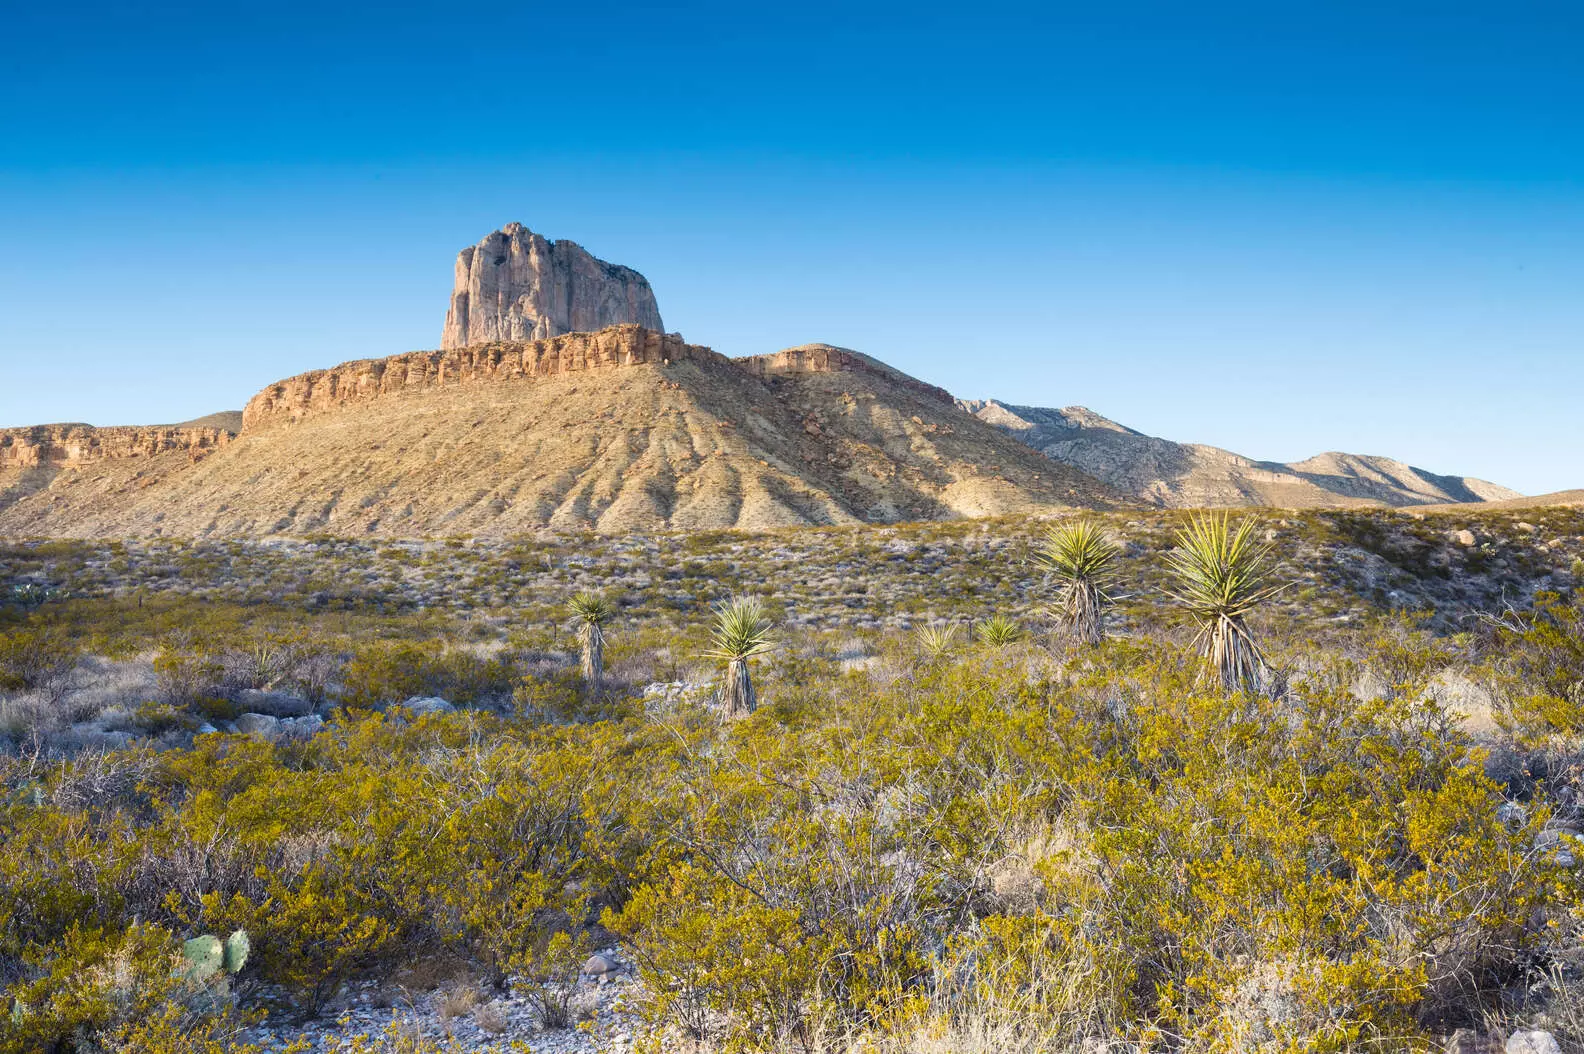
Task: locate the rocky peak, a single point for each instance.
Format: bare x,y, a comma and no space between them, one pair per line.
516,285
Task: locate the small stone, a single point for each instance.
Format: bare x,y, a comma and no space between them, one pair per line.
1533,1042
1464,537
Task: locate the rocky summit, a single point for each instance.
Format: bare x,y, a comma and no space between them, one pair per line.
516,285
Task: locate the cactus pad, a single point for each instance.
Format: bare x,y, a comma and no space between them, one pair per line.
237,947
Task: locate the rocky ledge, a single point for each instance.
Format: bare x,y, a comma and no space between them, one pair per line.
69,445
360,381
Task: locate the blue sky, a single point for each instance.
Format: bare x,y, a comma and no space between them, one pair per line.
1279,228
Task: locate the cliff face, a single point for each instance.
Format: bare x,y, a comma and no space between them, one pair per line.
354,382
516,285
75,445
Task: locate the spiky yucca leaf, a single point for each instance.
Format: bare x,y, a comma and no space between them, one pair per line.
591,607
1084,558
741,630
1000,630
935,641
1079,551
1221,574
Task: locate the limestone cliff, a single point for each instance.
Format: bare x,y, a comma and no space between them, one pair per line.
366,379
75,445
516,285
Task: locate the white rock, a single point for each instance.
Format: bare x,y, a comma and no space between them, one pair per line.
1533,1042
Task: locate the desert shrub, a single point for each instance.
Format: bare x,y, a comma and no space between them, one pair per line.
377,674
1122,851
156,719
215,709
96,990
187,668
1543,669
36,657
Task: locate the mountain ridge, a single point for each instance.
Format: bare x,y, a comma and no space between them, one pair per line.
623,429
1169,474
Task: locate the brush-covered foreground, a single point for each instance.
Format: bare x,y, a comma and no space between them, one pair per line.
918,841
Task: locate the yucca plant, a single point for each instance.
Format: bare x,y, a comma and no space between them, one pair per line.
741,631
998,631
1221,574
590,613
1083,558
935,641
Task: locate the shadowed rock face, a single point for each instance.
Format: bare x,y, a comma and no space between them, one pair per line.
516,285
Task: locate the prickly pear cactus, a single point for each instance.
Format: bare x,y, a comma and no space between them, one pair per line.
237,947
205,956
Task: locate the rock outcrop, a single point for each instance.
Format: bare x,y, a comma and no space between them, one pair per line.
827,358
516,285
73,445
365,379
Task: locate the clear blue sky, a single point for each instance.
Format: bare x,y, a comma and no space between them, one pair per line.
1277,227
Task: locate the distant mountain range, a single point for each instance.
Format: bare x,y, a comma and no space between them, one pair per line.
572,411
1189,475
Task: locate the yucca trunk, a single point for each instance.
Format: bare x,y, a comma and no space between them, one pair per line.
593,655
1085,616
737,694
1235,656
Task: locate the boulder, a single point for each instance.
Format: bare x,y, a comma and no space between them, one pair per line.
1464,537
302,727
600,965
419,705
1532,1042
264,725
